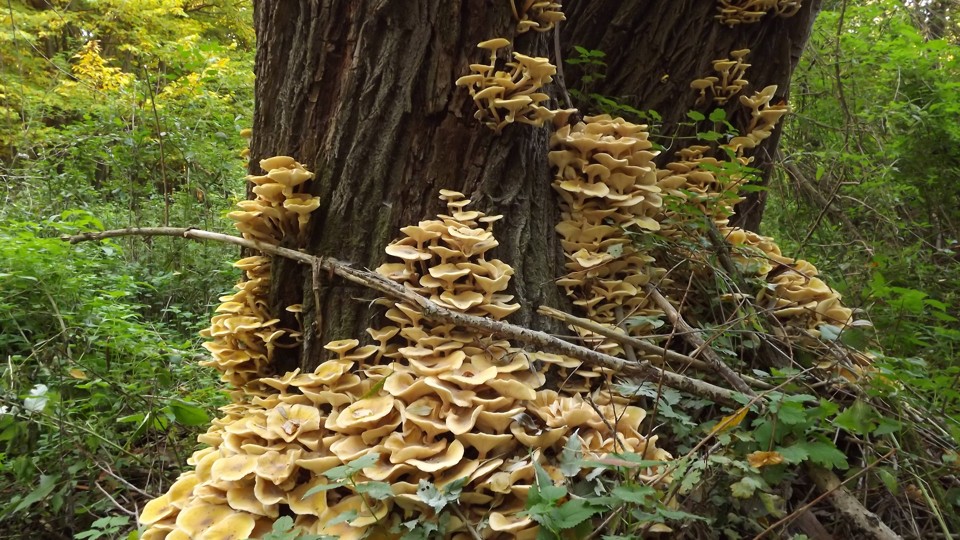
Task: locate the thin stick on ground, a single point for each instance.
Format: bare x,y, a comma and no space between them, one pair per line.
842,500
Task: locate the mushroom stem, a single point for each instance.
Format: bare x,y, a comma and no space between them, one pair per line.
435,312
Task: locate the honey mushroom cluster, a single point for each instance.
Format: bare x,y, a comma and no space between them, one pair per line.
607,185
797,297
734,12
727,83
763,119
267,454
691,180
474,391
537,15
434,402
244,334
505,97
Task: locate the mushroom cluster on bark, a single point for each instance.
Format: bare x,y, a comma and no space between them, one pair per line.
734,12
728,81
608,190
243,333
512,95
539,15
764,117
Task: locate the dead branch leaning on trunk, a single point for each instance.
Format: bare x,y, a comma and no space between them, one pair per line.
436,312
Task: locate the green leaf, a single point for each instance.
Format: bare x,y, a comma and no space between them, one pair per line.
438,499
635,493
889,480
745,488
346,516
573,513
544,490
571,459
47,483
375,389
346,471
830,332
188,414
793,454
696,116
791,413
887,426
825,454
317,489
641,320
377,490
709,135
858,418
718,115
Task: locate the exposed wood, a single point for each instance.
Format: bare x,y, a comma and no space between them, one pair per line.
849,506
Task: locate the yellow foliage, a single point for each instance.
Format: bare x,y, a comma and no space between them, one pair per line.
91,68
762,459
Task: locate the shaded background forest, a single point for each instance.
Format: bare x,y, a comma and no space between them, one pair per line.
116,114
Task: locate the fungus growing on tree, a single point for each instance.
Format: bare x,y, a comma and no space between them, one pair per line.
607,185
764,117
734,12
243,333
505,97
433,402
537,15
728,81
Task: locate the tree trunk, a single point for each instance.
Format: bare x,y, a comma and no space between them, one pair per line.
655,49
363,93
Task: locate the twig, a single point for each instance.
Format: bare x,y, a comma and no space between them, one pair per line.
638,343
470,528
693,336
123,481
842,500
114,501
435,312
603,524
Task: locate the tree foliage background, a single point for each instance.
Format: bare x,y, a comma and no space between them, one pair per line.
116,113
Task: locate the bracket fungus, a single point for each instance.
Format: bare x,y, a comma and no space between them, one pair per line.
764,117
607,183
243,333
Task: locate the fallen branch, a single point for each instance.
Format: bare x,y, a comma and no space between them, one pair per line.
435,312
638,343
843,501
695,339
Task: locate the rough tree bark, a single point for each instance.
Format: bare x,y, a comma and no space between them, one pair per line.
655,48
362,92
